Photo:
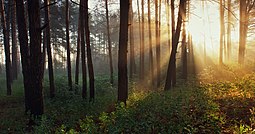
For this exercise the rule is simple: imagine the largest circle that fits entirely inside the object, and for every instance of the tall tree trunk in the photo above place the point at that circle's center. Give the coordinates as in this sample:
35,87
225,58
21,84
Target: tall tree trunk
173,75
48,44
168,23
229,31
14,42
122,55
221,32
109,42
150,46
6,49
69,71
171,71
35,57
132,67
24,50
140,38
83,54
204,42
158,55
172,19
184,46
157,16
89,58
77,65
142,45
242,31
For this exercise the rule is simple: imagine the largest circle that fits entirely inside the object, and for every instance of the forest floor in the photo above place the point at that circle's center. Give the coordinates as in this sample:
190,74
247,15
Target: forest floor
215,101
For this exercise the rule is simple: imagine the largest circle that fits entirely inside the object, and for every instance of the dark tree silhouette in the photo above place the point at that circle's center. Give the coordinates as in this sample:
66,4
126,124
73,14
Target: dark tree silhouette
36,59
122,57
69,71
109,42
89,57
171,70
48,44
6,49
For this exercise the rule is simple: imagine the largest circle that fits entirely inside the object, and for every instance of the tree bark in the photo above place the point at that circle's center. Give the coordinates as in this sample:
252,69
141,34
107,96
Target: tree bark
36,61
25,54
242,31
150,46
6,49
168,23
221,32
229,31
132,67
109,42
83,54
89,58
171,71
48,44
77,65
142,45
122,56
184,46
157,16
69,71
14,42
173,82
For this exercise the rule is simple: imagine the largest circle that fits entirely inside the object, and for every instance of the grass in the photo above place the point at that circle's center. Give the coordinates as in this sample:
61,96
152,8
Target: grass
209,106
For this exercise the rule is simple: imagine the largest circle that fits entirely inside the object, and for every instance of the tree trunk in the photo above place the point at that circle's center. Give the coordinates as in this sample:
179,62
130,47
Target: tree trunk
48,44
6,49
229,31
184,46
24,50
242,32
36,68
171,71
122,57
14,42
89,58
69,71
221,32
140,38
157,16
168,23
204,42
109,42
132,67
142,45
173,82
83,54
77,65
150,46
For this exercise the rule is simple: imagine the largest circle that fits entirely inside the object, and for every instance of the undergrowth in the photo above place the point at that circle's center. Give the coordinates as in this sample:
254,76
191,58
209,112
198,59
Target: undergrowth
210,106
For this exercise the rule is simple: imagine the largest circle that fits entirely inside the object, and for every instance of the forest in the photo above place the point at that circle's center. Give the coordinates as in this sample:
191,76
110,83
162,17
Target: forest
127,66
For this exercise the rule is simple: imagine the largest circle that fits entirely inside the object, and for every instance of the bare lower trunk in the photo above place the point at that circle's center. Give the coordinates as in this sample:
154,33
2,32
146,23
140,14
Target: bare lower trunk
24,50
14,42
69,71
36,61
48,44
7,50
171,71
109,42
122,57
150,46
89,58
83,55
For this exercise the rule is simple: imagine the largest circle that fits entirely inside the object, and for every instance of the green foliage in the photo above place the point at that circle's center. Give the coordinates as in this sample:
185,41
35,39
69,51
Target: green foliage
219,107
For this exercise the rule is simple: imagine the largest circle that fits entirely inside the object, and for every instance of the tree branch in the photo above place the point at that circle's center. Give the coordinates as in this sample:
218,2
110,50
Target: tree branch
49,5
44,26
